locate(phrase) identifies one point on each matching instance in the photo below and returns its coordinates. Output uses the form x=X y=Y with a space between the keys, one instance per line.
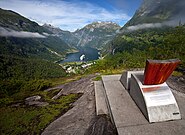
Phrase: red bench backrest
x=158 y=71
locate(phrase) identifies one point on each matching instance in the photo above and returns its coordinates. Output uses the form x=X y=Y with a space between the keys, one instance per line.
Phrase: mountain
x=169 y=12
x=21 y=37
x=15 y=21
x=66 y=36
x=145 y=30
x=96 y=34
x=156 y=31
x=27 y=54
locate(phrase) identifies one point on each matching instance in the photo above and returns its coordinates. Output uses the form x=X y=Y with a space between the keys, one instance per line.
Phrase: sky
x=73 y=14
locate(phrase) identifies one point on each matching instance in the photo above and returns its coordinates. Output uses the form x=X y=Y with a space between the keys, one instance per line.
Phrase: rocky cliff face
x=94 y=35
x=97 y=34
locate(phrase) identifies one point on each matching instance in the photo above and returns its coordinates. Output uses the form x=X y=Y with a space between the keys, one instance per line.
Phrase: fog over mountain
x=6 y=32
x=21 y=37
x=157 y=13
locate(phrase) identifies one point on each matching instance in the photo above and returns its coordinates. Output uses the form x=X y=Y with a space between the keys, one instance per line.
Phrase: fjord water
x=90 y=54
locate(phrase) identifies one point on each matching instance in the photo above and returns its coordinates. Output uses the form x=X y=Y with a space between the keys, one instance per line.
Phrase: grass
x=29 y=88
x=25 y=119
x=32 y=120
x=52 y=93
x=62 y=80
x=97 y=78
x=113 y=71
x=177 y=74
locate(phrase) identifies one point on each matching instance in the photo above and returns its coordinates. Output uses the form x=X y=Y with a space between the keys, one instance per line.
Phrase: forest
x=133 y=48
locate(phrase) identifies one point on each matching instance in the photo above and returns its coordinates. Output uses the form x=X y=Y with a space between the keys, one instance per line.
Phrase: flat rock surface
x=177 y=83
x=76 y=121
x=81 y=119
x=35 y=101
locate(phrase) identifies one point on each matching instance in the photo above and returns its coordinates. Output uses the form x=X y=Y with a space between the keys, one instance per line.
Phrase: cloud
x=144 y=26
x=64 y=14
x=21 y=34
x=171 y=23
x=176 y=14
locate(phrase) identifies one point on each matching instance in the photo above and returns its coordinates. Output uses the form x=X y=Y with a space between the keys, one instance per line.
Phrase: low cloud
x=4 y=32
x=152 y=25
x=144 y=26
x=46 y=34
x=176 y=17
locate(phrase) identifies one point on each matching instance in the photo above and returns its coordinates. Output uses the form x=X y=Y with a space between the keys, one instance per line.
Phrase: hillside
x=156 y=31
x=66 y=36
x=96 y=34
x=132 y=49
x=12 y=20
x=27 y=53
x=21 y=37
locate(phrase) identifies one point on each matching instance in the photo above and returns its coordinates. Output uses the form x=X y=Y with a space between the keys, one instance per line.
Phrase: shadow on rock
x=101 y=125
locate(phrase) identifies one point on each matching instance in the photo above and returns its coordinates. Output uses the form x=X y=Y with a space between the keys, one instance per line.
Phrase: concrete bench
x=150 y=92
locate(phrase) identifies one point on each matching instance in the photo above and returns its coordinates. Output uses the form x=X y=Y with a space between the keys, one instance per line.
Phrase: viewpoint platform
x=138 y=108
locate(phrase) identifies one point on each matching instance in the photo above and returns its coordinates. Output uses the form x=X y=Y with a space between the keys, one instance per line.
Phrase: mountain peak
x=96 y=34
x=102 y=24
x=49 y=26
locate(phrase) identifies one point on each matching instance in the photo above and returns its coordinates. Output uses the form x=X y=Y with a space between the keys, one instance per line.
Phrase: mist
x=171 y=23
x=5 y=32
x=144 y=26
x=177 y=15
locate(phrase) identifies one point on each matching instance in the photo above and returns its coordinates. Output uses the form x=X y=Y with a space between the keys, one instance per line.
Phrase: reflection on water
x=87 y=53
x=82 y=57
